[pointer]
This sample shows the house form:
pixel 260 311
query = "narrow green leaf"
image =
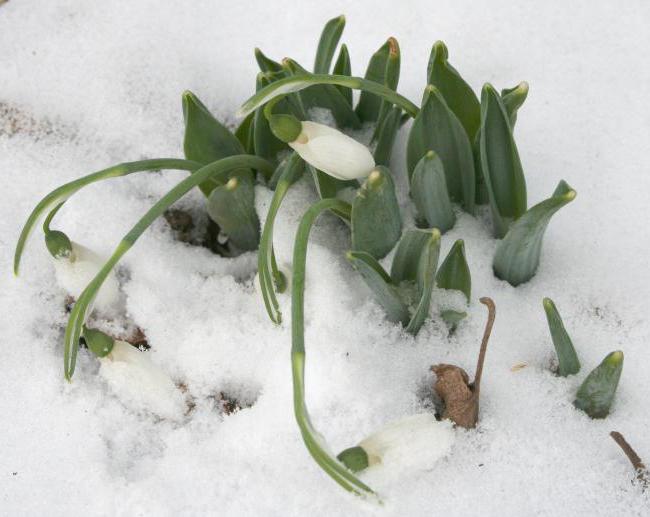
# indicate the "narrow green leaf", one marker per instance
pixel 271 279
pixel 454 272
pixel 437 128
pixel 429 193
pixel 407 256
pixel 245 133
pixel 325 96
pixel 266 64
pixel 385 136
pixel 328 186
pixel 206 139
pixel 343 67
pixel 391 79
pixel 232 207
pixel 380 284
pixel 513 99
pixel 299 82
pixel 219 170
pixel 376 221
pixel 517 255
pixel 425 280
pixel 596 394
pixel 60 195
pixel 337 471
pixel 500 164
pixel 459 95
pixel 265 143
pixel 566 353
pixel 329 39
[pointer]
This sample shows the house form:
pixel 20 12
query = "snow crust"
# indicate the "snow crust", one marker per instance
pixel 87 84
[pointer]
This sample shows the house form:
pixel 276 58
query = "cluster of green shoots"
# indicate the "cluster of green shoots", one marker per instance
pixel 461 153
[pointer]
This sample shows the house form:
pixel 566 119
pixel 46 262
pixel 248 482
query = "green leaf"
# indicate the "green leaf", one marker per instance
pixel 56 198
pixel 265 143
pixel 325 96
pixel 376 221
pixel 219 170
pixel 500 164
pixel 311 437
pixel 407 256
pixel 380 284
pixel 385 136
pixel 513 99
pixel 517 255
pixel 425 280
pixel 245 133
pixel 459 96
pixel 454 272
pixel 299 82
pixel 437 128
pixel 232 207
pixel 271 279
pixel 343 67
pixel 329 39
pixel 328 186
pixel 596 394
pixel 266 64
pixel 370 104
pixel 566 353
pixel 206 139
pixel 429 193
pixel 391 79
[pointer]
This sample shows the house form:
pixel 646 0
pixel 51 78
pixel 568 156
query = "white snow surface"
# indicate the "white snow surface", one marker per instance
pixel 84 85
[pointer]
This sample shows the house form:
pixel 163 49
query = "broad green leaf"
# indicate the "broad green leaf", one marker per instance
pixel 391 79
pixel 319 451
pixel 245 133
pixel 219 170
pixel 271 279
pixel 329 39
pixel 454 272
pixel 385 136
pixel 596 394
pixel 56 198
pixel 369 105
pixel 232 207
pixel 459 96
pixel 376 221
pixel 436 128
pixel 517 256
pixel 266 64
pixel 206 139
pixel 513 98
pixel 343 67
pixel 425 280
pixel 566 353
pixel 500 164
pixel 325 96
pixel 380 284
pixel 299 82
pixel 429 193
pixel 407 256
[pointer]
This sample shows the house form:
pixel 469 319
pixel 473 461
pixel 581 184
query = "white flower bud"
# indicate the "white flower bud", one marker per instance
pixel 333 152
pixel 140 383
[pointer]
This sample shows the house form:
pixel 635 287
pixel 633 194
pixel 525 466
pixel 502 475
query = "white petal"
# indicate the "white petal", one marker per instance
pixel 333 152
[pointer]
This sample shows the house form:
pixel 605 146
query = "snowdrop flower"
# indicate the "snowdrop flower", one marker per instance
pixel 414 442
pixel 76 266
pixel 139 382
pixel 323 147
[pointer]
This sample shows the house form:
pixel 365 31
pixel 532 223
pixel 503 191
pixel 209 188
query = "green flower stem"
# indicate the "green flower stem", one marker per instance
pixel 218 170
pixel 60 195
pixel 329 464
pixel 301 81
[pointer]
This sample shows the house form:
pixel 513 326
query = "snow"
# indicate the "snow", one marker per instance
pixel 85 84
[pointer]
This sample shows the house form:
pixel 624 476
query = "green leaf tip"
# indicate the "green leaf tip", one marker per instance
pixel 569 363
pixel 454 271
pixel 596 394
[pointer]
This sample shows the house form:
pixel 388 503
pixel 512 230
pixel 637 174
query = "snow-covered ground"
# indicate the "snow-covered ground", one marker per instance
pixel 87 84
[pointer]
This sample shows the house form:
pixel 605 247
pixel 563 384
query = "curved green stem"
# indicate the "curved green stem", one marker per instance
pixel 58 196
pixel 299 82
pixel 329 464
pixel 218 170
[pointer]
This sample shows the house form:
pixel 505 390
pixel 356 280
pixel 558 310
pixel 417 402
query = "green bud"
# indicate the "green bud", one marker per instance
pixel 285 127
pixel 596 394
pixel 354 458
pixel 58 244
pixel 98 343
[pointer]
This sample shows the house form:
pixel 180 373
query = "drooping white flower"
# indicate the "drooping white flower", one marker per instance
pixel 333 152
pixel 75 271
pixel 140 383
pixel 411 443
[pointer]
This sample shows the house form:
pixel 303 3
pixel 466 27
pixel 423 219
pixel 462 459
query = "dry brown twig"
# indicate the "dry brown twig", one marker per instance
pixel 639 466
